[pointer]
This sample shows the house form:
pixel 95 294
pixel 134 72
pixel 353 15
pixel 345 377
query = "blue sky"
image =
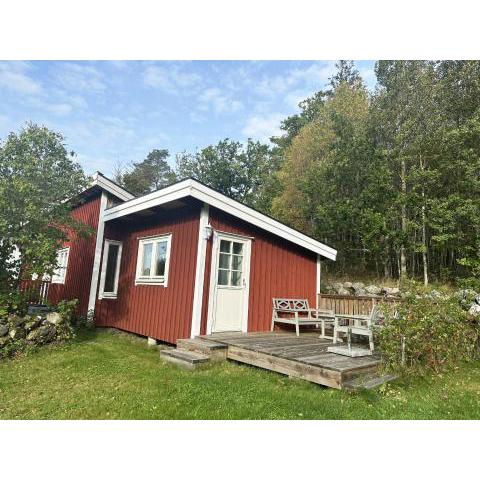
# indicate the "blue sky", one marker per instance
pixel 113 111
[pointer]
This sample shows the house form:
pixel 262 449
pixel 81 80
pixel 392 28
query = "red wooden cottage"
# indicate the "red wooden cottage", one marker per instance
pixel 182 261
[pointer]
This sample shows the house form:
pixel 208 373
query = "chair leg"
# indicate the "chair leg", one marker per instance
pixel 349 338
pixel 297 329
pixel 273 325
pixel 370 341
pixel 323 329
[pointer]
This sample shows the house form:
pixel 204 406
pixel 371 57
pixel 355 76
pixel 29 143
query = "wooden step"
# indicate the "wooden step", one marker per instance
pixel 215 350
pixel 184 358
pixel 367 382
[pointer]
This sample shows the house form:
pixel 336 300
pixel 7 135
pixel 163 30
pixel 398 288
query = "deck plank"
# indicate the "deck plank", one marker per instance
pixel 304 356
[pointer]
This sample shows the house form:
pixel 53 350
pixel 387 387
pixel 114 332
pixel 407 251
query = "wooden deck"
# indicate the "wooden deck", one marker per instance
pixel 304 357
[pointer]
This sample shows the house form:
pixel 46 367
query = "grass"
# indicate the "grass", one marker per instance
pixel 107 375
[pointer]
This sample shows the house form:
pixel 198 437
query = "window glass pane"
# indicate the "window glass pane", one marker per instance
pixel 161 259
pixel 111 268
pixel 224 261
pixel 147 258
pixel 236 278
pixel 237 262
pixel 223 277
pixel 237 248
pixel 225 246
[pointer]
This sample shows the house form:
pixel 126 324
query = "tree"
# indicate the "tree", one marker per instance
pixel 346 73
pixel 148 175
pixel 37 178
pixel 237 170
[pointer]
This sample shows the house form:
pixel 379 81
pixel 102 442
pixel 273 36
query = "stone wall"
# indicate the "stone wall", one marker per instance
pixel 18 333
pixel 359 289
pixel 469 299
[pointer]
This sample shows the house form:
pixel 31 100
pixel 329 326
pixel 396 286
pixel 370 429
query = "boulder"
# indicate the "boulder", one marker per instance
pixel 358 286
pixel 3 330
pixel 474 310
pixel 373 290
pixel 4 341
pixel 43 334
pixel 54 318
pixel 477 299
pixel 348 285
pixel 391 291
pixel 343 291
pixel 337 286
pixel 16 321
pixel 16 333
pixel 32 324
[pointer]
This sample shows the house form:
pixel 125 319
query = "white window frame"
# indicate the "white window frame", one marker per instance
pixel 103 274
pixel 58 277
pixel 153 279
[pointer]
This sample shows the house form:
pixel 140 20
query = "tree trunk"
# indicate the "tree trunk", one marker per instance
pixel 403 256
pixel 424 232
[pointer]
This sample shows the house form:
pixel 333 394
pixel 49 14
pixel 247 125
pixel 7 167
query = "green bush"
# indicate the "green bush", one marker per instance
pixel 13 303
pixel 426 333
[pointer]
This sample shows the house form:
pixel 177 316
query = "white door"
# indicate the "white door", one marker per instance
pixel 229 283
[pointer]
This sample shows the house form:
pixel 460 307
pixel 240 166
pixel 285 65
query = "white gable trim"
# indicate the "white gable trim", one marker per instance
pixel 215 199
pixel 103 182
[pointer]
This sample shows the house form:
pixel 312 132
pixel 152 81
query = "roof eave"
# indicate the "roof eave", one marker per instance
pixel 207 195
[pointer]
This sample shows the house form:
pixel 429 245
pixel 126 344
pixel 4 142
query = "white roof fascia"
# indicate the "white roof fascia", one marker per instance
pixel 99 180
pixel 205 194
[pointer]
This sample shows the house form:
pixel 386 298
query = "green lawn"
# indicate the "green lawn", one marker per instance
pixel 104 375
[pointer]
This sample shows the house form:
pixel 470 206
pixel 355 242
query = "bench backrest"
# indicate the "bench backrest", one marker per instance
pixel 291 304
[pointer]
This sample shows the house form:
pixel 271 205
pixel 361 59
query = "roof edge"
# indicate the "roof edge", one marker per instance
pixel 196 189
pixel 100 180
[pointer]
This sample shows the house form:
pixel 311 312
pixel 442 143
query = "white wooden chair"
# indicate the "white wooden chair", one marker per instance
pixel 356 325
pixel 296 311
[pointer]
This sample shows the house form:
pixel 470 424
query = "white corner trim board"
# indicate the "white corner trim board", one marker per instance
pixel 215 199
pixel 199 272
pixel 98 254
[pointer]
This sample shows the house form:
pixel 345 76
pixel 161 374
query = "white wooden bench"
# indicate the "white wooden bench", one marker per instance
pixel 356 325
pixel 296 311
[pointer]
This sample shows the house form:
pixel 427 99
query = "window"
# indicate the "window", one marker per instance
pixel 62 262
pixel 152 261
pixel 112 254
pixel 230 263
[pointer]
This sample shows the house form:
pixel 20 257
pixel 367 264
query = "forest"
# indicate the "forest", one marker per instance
pixel 389 177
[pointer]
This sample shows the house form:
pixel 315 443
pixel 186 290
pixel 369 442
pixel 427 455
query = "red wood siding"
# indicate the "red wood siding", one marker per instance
pixel 278 268
pixel 152 310
pixel 80 260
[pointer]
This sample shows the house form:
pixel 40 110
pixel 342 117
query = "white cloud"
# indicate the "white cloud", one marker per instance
pixel 171 79
pixel 262 127
pixel 79 76
pixel 13 77
pixel 215 99
pixel 314 77
pixel 293 98
pixel 59 109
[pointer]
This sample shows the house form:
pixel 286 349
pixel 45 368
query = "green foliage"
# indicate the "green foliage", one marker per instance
pixel 67 309
pixel 427 333
pixel 389 178
pixel 37 176
pixel 240 171
pixel 13 303
pixel 148 175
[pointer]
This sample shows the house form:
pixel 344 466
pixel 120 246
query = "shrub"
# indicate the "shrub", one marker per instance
pixel 426 333
pixel 13 303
